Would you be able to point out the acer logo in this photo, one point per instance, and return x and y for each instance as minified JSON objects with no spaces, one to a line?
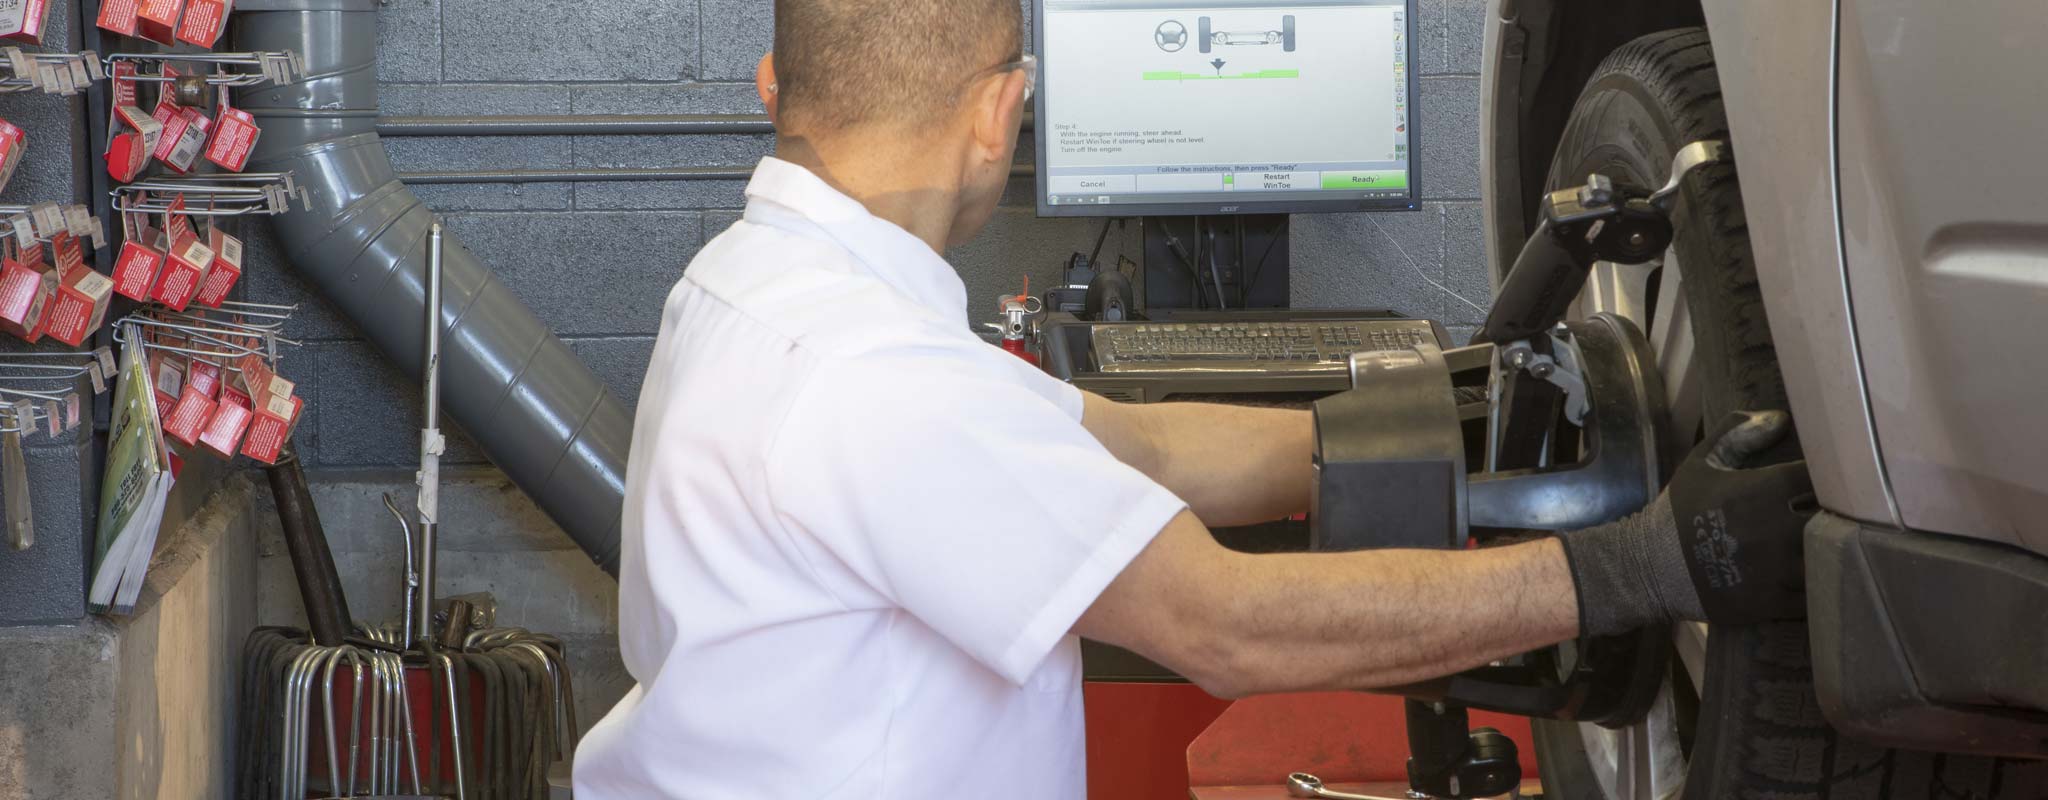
{"x":1228,"y":209}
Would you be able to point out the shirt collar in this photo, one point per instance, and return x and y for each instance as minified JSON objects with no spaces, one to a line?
{"x":787,"y":196}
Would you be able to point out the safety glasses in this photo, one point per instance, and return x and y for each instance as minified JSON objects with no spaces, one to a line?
{"x":1029,"y":64}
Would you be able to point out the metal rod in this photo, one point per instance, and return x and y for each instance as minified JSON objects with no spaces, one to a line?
{"x":575,"y":125}
{"x":583,"y":125}
{"x":430,"y":444}
{"x":595,"y":175}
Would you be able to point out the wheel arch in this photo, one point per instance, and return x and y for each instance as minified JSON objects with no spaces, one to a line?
{"x":1538,"y":56}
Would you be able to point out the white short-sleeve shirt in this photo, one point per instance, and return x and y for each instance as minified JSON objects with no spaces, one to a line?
{"x":856,"y":536}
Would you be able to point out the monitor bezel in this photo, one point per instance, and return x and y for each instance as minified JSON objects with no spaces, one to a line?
{"x":1413,"y":202}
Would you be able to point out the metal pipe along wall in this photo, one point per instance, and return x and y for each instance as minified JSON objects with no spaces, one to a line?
{"x":533,"y":406}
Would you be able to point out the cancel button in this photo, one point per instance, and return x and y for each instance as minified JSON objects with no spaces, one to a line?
{"x":1092,"y":184}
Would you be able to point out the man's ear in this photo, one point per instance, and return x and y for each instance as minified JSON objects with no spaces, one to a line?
{"x":764,"y":82}
{"x":999,"y":113}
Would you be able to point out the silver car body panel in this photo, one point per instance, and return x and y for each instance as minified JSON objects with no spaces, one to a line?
{"x":1946,"y":229}
{"x":1775,"y":74}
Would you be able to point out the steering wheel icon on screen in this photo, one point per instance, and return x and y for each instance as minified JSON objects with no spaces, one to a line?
{"x":1171,"y":36}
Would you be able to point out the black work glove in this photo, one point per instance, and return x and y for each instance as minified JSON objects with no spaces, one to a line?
{"x":1723,"y":544}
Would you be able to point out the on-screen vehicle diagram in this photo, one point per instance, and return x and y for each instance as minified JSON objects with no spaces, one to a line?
{"x":1208,"y":38}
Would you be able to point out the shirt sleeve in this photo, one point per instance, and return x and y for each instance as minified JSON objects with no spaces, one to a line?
{"x":964,"y":497}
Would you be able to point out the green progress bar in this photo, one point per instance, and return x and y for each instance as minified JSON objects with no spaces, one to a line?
{"x":1264,"y":74}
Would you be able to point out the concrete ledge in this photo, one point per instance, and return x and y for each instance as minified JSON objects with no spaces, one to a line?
{"x":142,"y":706}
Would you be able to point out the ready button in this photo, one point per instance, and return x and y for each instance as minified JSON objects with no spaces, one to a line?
{"x":1366,"y":179}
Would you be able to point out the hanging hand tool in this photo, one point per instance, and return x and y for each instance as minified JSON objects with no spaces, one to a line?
{"x":21,"y":524}
{"x":312,"y":562}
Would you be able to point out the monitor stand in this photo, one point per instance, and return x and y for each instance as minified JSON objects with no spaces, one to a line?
{"x":1187,"y":259}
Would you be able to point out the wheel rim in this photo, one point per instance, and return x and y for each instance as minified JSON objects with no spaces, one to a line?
{"x":1647,"y":761}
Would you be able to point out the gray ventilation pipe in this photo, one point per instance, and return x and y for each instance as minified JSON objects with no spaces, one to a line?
{"x":535,"y":408}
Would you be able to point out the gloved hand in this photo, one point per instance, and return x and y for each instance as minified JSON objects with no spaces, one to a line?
{"x":1723,"y":544}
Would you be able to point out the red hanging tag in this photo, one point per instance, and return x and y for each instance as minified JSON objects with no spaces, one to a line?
{"x":159,"y":20}
{"x":204,"y":21}
{"x":119,"y":16}
{"x":233,"y":137}
{"x":24,"y":20}
{"x":225,"y":270}
{"x":230,"y":420}
{"x":24,"y":292}
{"x":13,"y":142}
{"x":79,"y":308}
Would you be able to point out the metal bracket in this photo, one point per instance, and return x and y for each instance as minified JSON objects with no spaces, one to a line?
{"x":218,"y":195}
{"x":1691,"y":157}
{"x":1561,"y":370}
{"x":62,"y":74}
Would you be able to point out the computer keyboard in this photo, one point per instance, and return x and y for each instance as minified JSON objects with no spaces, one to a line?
{"x":1264,"y":347}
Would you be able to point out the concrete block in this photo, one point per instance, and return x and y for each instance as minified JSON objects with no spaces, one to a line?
{"x":490,"y":531}
{"x":1450,"y":138}
{"x":737,"y":33}
{"x":672,"y":151}
{"x":57,"y":718}
{"x":552,"y":592}
{"x":46,"y":583}
{"x":270,"y":278}
{"x":435,"y":99}
{"x":659,"y":195}
{"x":409,"y":41}
{"x":620,"y":362}
{"x":1426,"y":54}
{"x":1464,"y":36}
{"x":668,"y":98}
{"x":601,"y":677}
{"x":716,"y":222}
{"x":446,"y":198}
{"x":56,"y":139}
{"x":585,"y":273}
{"x":544,"y":40}
{"x":1021,"y":193}
{"x":369,"y":412}
{"x":439,"y":153}
{"x":1383,"y":260}
{"x":481,"y":510}
{"x":1017,"y":243}
{"x":1466,"y":273}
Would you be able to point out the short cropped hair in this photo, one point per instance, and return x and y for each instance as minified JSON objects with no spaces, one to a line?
{"x":842,"y":64}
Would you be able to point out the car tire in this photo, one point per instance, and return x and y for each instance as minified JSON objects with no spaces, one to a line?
{"x":1204,"y":38}
{"x":1287,"y":33}
{"x":1757,"y":728}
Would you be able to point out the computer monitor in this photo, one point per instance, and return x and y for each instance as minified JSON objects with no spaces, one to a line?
{"x":1198,"y":107}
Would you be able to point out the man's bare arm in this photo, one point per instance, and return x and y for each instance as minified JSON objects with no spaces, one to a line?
{"x":1241,"y":624}
{"x":1234,"y":465}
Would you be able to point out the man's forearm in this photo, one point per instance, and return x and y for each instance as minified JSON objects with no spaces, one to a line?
{"x":1234,"y":465}
{"x":1384,"y":618}
{"x":1251,"y":624}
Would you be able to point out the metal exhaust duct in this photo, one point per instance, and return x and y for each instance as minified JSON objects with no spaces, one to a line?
{"x":536,"y":410}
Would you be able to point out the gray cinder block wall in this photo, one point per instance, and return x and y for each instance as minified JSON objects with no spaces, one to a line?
{"x":595,"y":260}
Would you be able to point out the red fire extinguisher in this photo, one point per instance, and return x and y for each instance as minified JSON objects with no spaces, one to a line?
{"x":1017,"y":311}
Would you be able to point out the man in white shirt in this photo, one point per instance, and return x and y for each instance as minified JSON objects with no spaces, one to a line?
{"x":859,"y":543}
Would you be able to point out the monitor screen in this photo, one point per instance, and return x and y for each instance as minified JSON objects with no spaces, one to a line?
{"x":1180,"y":107}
